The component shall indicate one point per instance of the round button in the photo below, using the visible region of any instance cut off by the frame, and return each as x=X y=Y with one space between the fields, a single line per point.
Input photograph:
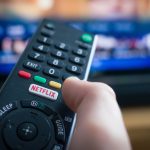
x=27 y=131
x=50 y=26
x=86 y=38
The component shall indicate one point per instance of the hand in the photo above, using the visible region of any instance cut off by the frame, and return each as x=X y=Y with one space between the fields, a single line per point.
x=99 y=124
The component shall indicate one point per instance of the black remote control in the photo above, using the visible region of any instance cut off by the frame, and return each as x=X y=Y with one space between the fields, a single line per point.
x=33 y=115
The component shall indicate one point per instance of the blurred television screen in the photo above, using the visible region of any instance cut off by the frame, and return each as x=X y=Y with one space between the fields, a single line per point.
x=122 y=28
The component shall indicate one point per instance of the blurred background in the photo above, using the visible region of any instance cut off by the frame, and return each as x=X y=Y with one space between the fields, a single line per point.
x=122 y=57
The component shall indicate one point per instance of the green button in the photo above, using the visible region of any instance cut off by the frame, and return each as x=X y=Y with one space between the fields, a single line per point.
x=86 y=38
x=39 y=79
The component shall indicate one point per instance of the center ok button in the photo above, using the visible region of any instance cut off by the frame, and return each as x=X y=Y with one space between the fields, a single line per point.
x=27 y=131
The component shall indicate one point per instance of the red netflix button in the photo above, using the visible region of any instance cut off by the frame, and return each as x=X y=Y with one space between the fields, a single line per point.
x=42 y=91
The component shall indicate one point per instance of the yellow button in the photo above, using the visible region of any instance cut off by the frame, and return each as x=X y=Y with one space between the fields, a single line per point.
x=55 y=84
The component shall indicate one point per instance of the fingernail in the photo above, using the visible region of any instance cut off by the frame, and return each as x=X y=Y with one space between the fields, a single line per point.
x=73 y=78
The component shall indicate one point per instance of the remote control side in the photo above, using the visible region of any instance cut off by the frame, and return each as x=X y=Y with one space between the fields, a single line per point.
x=32 y=112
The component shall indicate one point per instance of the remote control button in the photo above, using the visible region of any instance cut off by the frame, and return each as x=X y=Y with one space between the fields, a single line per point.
x=86 y=38
x=27 y=131
x=74 y=69
x=45 y=40
x=37 y=105
x=80 y=52
x=62 y=46
x=59 y=128
x=65 y=76
x=59 y=54
x=39 y=79
x=55 y=62
x=57 y=147
x=24 y=74
x=36 y=56
x=4 y=110
x=82 y=45
x=43 y=92
x=32 y=66
x=41 y=48
x=50 y=26
x=51 y=72
x=77 y=60
x=55 y=84
x=47 y=32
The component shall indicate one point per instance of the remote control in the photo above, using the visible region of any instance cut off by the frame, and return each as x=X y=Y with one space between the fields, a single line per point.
x=33 y=115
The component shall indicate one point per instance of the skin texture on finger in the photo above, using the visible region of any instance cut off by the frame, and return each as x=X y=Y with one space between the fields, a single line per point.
x=99 y=124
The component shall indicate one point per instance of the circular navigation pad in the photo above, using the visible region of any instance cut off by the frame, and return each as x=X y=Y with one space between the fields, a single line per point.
x=27 y=130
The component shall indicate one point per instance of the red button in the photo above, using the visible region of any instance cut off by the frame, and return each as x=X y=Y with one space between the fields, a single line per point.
x=24 y=74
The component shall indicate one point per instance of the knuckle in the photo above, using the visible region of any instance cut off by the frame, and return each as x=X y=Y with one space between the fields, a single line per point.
x=101 y=89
